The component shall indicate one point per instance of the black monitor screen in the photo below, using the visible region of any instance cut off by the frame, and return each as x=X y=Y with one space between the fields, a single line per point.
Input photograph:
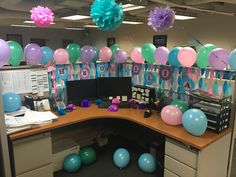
x=114 y=86
x=81 y=89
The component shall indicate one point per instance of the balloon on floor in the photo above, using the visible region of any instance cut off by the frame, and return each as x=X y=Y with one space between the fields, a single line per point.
x=87 y=155
x=147 y=163
x=72 y=163
x=121 y=158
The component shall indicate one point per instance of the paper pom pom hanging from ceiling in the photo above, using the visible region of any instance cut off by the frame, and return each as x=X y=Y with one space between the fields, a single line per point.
x=42 y=16
x=107 y=14
x=161 y=18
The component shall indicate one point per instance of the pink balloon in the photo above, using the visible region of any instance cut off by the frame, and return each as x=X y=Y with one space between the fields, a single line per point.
x=218 y=58
x=171 y=115
x=105 y=54
x=61 y=56
x=161 y=55
x=187 y=56
x=4 y=52
x=136 y=55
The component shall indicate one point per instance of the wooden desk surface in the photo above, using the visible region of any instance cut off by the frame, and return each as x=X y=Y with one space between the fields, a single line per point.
x=154 y=122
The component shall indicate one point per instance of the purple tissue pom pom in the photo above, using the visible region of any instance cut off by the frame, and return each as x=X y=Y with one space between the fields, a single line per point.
x=113 y=108
x=161 y=18
x=85 y=103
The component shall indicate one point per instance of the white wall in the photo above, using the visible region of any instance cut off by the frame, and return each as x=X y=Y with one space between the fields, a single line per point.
x=219 y=30
x=53 y=37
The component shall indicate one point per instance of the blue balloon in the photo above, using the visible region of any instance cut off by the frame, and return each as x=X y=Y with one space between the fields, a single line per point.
x=47 y=55
x=232 y=60
x=173 y=57
x=11 y=102
x=121 y=158
x=195 y=122
x=72 y=163
x=147 y=163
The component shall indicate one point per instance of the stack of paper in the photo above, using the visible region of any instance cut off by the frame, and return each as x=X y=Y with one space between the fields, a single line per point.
x=29 y=120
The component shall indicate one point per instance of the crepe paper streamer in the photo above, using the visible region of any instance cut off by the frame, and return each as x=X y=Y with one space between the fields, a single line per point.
x=98 y=101
x=70 y=107
x=85 y=103
x=113 y=108
x=107 y=14
x=210 y=89
x=115 y=101
x=161 y=18
x=61 y=112
x=42 y=16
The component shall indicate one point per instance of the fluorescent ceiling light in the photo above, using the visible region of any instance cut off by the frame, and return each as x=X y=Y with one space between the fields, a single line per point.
x=184 y=17
x=132 y=22
x=75 y=17
x=24 y=26
x=32 y=22
x=78 y=29
x=128 y=7
x=90 y=26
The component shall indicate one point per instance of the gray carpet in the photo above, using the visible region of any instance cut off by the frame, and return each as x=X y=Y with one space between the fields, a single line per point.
x=233 y=169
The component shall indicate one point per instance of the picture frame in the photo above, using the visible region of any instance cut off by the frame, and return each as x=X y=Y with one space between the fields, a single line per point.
x=66 y=42
x=111 y=41
x=160 y=40
x=15 y=37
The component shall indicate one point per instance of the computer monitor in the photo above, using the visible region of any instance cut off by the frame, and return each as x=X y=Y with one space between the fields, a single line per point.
x=113 y=87
x=81 y=89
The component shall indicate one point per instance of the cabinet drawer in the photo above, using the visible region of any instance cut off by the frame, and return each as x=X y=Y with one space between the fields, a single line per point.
x=45 y=171
x=179 y=168
x=168 y=173
x=181 y=153
x=32 y=152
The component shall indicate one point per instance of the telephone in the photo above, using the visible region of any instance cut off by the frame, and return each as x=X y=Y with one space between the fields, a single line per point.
x=43 y=104
x=56 y=104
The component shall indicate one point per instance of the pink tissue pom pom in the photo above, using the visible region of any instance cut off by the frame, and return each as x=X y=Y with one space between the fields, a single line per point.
x=116 y=101
x=42 y=16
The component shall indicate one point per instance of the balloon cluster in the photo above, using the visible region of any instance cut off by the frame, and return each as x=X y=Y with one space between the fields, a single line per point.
x=146 y=161
x=73 y=162
x=193 y=120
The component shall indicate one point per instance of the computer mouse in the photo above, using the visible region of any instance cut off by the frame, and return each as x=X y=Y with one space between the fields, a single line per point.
x=147 y=113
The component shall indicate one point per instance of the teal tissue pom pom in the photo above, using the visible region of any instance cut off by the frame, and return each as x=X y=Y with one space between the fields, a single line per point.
x=107 y=14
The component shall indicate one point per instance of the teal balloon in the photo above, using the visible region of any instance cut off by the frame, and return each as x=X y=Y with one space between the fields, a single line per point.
x=147 y=163
x=11 y=102
x=202 y=55
x=195 y=122
x=16 y=53
x=47 y=55
x=95 y=58
x=114 y=48
x=87 y=155
x=173 y=57
x=74 y=52
x=72 y=163
x=148 y=51
x=121 y=158
x=180 y=104
x=232 y=60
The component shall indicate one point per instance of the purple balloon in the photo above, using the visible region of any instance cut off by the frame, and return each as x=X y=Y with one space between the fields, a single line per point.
x=218 y=58
x=161 y=55
x=120 y=56
x=87 y=54
x=33 y=54
x=4 y=53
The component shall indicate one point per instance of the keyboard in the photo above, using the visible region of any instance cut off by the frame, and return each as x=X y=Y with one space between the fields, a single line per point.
x=106 y=104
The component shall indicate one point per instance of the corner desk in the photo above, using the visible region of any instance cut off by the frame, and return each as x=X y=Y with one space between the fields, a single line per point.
x=185 y=155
